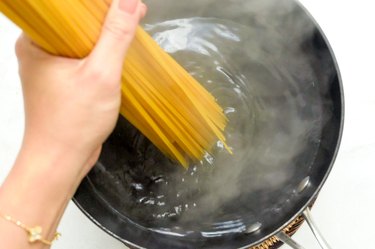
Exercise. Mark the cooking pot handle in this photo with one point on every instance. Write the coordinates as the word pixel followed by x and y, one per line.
pixel 290 242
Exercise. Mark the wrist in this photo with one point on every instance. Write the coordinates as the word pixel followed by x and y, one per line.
pixel 43 173
pixel 40 185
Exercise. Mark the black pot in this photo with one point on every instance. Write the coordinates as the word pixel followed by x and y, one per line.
pixel 280 85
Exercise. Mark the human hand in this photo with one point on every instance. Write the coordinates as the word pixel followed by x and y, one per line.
pixel 72 105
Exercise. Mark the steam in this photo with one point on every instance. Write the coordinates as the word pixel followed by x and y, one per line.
pixel 259 74
pixel 254 57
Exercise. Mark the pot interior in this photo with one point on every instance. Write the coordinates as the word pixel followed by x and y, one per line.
pixel 270 68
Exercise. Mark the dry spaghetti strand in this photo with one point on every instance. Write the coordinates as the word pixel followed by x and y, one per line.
pixel 159 97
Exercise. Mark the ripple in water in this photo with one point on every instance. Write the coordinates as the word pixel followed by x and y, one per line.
pixel 273 118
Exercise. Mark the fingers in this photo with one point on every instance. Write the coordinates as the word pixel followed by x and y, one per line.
pixel 143 10
pixel 117 33
pixel 26 50
pixel 22 45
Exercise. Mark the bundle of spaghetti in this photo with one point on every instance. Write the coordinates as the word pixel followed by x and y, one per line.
pixel 159 97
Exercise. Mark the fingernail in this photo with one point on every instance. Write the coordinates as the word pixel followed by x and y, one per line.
pixel 129 6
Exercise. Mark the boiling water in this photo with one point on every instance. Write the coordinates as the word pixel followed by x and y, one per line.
pixel 270 97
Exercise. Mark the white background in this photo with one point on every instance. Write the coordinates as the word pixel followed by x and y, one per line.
pixel 345 208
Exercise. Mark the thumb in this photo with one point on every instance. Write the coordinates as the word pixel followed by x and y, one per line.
pixel 118 32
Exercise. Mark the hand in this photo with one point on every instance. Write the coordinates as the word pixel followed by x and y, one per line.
pixel 71 107
pixel 72 104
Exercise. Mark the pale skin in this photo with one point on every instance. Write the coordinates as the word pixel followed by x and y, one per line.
pixel 71 106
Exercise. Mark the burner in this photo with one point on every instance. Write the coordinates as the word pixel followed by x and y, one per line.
pixel 274 242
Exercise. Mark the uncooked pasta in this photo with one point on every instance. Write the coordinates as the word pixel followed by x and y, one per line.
pixel 159 97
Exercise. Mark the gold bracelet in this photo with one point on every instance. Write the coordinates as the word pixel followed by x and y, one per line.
pixel 34 233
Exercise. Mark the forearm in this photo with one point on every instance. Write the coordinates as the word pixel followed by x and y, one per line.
pixel 37 191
